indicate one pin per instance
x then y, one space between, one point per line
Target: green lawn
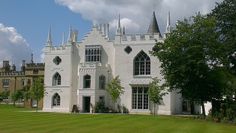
16 120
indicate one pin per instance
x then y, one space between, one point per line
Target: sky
24 24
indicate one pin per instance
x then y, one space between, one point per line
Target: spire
168 23
119 21
49 40
118 30
70 34
153 27
63 38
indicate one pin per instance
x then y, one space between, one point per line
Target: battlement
57 48
15 73
137 37
34 65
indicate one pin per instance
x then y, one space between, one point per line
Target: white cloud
137 11
13 46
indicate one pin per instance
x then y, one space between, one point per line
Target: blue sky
32 19
24 23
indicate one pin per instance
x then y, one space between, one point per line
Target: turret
119 30
13 68
69 40
6 65
49 39
153 27
32 58
168 27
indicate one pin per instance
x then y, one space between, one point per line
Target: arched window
142 64
102 82
56 100
56 79
87 81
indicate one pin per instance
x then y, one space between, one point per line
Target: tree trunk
154 113
203 109
37 106
192 110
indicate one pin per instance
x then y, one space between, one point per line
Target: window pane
142 64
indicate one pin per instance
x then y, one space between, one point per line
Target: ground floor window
140 97
56 100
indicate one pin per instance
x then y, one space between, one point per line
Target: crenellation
138 37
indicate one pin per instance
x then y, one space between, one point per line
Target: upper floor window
56 79
142 64
57 60
35 71
87 81
92 53
5 82
102 82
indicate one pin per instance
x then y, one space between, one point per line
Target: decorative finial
168 28
63 38
118 30
70 34
49 40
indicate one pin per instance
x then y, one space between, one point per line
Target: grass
19 120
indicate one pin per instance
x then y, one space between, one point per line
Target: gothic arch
142 64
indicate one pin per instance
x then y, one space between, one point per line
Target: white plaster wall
65 70
94 69
124 68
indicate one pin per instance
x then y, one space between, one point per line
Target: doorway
86 104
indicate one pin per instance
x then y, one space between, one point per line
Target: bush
125 110
100 107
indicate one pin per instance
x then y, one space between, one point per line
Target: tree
4 95
26 94
17 95
189 55
37 91
156 92
225 16
114 89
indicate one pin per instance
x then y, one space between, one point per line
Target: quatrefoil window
57 60
128 49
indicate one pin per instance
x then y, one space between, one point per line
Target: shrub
100 107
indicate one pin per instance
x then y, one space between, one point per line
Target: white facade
79 80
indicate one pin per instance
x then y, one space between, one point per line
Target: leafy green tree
225 16
114 89
26 94
37 91
17 95
4 95
189 55
156 92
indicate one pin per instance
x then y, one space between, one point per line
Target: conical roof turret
153 27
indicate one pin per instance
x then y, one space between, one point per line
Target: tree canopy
190 57
156 92
37 90
114 88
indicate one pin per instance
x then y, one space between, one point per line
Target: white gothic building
76 72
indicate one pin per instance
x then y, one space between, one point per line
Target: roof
153 27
